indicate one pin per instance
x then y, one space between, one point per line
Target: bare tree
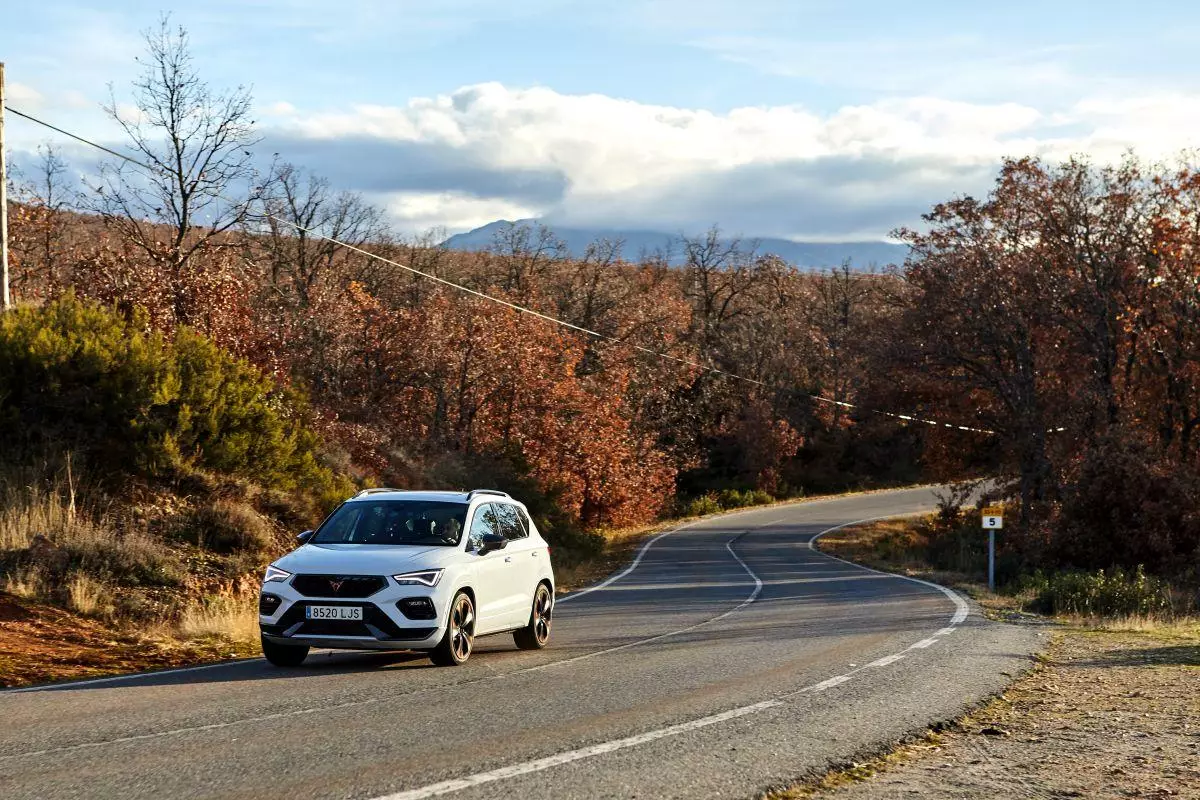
302 216
197 144
719 272
526 254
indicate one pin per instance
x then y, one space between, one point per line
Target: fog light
268 604
417 608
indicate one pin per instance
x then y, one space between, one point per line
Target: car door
523 567
490 573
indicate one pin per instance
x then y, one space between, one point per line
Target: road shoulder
1105 713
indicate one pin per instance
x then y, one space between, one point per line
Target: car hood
363 559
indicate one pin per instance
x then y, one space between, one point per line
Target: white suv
391 570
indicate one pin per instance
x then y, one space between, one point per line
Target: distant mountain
807 255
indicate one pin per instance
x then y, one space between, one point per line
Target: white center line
829 684
883 662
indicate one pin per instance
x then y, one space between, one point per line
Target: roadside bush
1111 593
81 377
227 526
700 506
732 498
1128 505
725 500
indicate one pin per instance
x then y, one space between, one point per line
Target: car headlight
425 577
276 574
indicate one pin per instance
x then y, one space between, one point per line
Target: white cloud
415 212
785 170
22 96
605 144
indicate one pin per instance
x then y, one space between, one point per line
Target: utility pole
5 296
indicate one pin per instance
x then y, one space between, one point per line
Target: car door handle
507 559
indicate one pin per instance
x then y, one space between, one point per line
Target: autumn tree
40 225
200 180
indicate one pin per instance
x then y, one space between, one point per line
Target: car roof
444 497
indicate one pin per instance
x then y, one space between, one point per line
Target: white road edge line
524 768
961 609
480 778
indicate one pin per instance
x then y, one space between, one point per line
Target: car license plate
333 612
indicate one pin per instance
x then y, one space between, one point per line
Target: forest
190 316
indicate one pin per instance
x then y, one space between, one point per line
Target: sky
810 120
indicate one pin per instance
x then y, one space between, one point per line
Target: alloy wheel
462 627
543 610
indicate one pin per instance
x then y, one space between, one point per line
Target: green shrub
700 506
732 498
725 500
1113 593
78 376
758 497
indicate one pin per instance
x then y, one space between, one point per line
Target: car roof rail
376 490
471 494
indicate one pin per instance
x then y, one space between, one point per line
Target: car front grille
373 618
333 627
338 585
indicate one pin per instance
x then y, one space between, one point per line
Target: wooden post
5 296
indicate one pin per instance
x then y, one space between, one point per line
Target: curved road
732 657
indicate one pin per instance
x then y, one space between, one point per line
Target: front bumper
383 626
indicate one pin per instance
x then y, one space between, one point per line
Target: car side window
485 521
510 522
526 525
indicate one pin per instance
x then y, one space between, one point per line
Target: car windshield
394 522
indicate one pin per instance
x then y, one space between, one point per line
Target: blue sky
801 119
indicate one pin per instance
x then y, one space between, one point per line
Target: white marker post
993 520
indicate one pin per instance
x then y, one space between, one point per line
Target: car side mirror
490 542
304 537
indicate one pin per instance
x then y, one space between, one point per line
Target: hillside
807 255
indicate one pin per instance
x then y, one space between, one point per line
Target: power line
78 138
515 306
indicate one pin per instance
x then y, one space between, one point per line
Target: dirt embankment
40 643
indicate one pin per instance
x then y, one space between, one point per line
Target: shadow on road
317 665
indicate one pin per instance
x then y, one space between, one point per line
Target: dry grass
1188 626
28 583
88 596
45 535
25 514
228 526
224 616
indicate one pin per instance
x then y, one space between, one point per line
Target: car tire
284 655
459 638
536 634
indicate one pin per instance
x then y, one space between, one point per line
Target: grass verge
1109 711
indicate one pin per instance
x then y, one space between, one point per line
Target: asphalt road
732 658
